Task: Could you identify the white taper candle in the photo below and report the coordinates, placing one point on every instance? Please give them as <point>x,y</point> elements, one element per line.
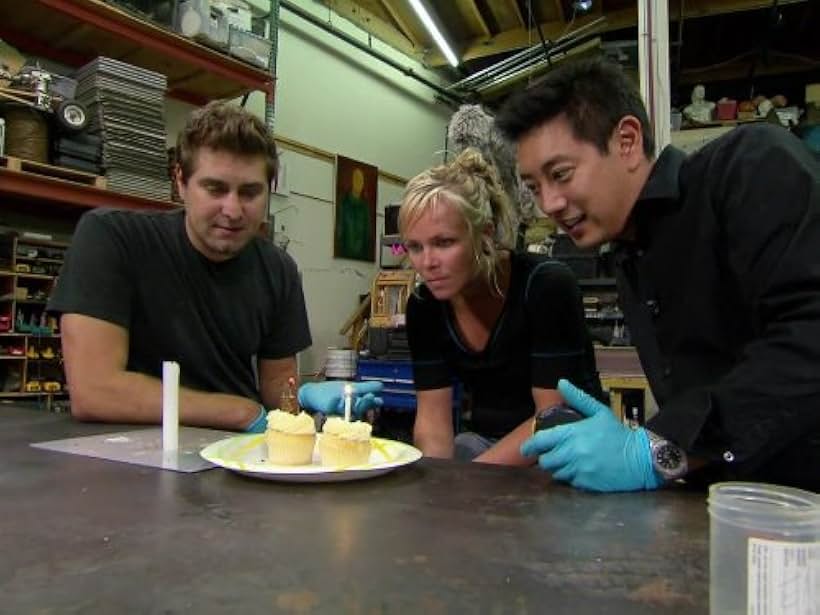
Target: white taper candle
<point>170,405</point>
<point>348,400</point>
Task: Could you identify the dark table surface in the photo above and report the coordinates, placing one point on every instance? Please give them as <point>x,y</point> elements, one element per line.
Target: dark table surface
<point>83,535</point>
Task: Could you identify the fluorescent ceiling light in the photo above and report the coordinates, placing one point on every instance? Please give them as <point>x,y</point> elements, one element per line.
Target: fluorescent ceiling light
<point>434,31</point>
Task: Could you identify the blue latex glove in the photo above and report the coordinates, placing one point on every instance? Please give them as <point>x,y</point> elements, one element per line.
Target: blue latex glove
<point>328,397</point>
<point>597,453</point>
<point>260,423</point>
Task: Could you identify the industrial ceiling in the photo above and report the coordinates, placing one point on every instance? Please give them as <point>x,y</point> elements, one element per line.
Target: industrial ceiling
<point>710,40</point>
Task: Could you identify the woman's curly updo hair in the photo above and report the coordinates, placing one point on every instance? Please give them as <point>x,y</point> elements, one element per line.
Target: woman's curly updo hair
<point>471,185</point>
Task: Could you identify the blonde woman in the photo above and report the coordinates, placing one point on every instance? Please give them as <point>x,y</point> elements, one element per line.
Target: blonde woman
<point>507,325</point>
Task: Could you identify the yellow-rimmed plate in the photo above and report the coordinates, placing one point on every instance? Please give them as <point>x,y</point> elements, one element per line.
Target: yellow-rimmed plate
<point>247,454</point>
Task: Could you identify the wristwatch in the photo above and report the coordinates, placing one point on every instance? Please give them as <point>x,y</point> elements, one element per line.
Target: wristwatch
<point>668,459</point>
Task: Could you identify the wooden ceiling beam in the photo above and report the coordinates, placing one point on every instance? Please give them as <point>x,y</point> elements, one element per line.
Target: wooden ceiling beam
<point>399,19</point>
<point>521,37</point>
<point>708,8</point>
<point>375,25</point>
<point>505,14</point>
<point>780,64</point>
<point>517,12</point>
<point>473,16</point>
<point>559,7</point>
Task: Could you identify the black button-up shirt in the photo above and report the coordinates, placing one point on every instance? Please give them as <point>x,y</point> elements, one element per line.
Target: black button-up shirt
<point>721,290</point>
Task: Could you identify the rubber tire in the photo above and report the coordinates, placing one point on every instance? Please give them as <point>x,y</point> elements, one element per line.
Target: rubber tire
<point>72,116</point>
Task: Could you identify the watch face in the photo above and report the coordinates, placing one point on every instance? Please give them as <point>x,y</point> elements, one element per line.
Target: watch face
<point>668,457</point>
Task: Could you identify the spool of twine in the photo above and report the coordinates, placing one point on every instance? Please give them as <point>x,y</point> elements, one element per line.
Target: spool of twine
<point>26,134</point>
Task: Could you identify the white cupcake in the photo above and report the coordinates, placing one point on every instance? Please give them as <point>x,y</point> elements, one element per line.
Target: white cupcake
<point>344,443</point>
<point>290,438</point>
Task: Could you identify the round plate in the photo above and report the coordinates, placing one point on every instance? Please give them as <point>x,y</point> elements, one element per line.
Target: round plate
<point>247,454</point>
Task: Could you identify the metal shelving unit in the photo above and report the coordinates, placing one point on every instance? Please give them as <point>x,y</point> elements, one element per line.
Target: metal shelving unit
<point>74,32</point>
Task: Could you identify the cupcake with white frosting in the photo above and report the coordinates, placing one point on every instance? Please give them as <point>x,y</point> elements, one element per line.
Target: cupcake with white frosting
<point>290,438</point>
<point>344,443</point>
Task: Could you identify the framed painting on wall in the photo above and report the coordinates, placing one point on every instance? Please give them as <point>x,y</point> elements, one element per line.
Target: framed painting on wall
<point>354,234</point>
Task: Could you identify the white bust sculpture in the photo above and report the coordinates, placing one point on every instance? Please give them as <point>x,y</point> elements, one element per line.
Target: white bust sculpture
<point>701,109</point>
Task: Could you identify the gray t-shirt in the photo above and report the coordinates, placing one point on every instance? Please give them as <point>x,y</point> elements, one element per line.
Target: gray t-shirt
<point>140,271</point>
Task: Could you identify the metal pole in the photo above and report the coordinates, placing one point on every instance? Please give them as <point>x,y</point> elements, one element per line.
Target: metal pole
<point>653,56</point>
<point>491,71</point>
<point>528,66</point>
<point>273,36</point>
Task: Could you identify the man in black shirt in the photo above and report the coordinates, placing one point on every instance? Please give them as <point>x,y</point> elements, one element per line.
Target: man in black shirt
<point>197,285</point>
<point>718,269</point>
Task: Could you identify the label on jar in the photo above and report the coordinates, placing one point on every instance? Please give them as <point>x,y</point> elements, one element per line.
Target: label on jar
<point>783,577</point>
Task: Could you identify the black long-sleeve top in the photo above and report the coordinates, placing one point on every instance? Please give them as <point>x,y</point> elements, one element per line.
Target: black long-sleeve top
<point>721,291</point>
<point>539,338</point>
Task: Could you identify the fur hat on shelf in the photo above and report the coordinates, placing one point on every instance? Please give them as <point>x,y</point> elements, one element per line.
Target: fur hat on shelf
<point>472,126</point>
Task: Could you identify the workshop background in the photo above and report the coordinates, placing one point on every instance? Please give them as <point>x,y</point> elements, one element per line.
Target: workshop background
<point>361,79</point>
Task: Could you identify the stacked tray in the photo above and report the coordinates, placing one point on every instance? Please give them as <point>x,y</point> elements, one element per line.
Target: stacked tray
<point>78,151</point>
<point>126,108</point>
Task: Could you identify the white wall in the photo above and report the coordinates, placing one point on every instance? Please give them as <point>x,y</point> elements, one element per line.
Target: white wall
<point>338,99</point>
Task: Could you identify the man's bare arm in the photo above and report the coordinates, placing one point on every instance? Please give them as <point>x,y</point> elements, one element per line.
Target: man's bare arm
<point>101,389</point>
<point>273,379</point>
